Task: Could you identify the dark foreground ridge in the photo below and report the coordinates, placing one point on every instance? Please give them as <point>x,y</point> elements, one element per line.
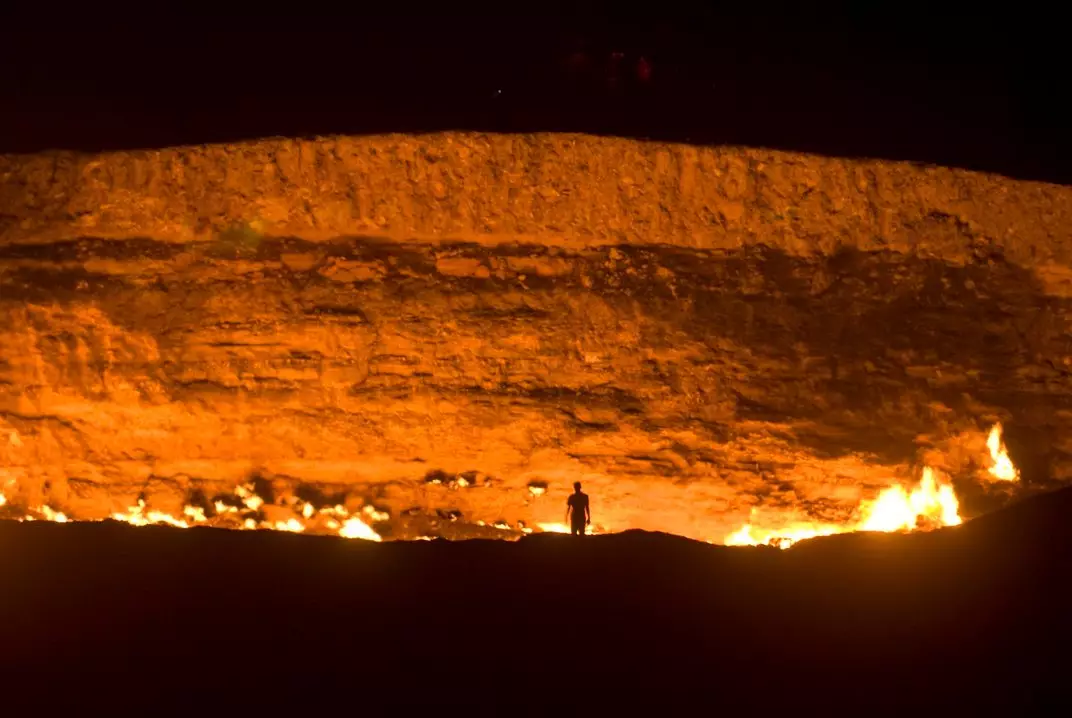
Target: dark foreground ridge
<point>971,617</point>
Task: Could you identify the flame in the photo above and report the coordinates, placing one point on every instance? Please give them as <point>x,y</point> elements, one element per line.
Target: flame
<point>356,528</point>
<point>559,528</point>
<point>249,499</point>
<point>1001,467</point>
<point>196,514</point>
<point>338,519</point>
<point>137,516</point>
<point>373,514</point>
<point>553,528</point>
<point>781,538</point>
<point>742,537</point>
<point>51,514</point>
<point>931,504</point>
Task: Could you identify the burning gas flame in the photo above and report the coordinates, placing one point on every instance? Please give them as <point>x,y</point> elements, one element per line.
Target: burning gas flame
<point>137,516</point>
<point>930,504</point>
<point>356,528</point>
<point>553,528</point>
<point>1001,467</point>
<point>196,514</point>
<point>246,517</point>
<point>51,514</point>
<point>747,535</point>
<point>292,525</point>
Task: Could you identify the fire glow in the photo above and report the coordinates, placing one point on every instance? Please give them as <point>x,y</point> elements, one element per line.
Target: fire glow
<point>1001,468</point>
<point>930,504</point>
<point>246,516</point>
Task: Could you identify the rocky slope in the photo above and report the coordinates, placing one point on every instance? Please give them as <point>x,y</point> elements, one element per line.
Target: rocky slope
<point>455,327</point>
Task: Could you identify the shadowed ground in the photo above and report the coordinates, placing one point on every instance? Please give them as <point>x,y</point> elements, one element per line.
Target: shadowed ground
<point>970,617</point>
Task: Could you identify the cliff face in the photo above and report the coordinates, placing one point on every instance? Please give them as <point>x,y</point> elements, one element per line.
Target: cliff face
<point>453,328</point>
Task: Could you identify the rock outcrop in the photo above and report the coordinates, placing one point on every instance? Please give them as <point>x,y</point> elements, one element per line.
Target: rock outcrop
<point>455,327</point>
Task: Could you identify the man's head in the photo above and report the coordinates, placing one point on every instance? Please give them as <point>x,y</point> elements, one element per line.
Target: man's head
<point>577,486</point>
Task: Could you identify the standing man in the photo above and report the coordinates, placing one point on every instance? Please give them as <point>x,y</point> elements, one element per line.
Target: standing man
<point>578,515</point>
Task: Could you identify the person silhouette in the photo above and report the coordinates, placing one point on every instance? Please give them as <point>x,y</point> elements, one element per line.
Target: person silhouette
<point>578,515</point>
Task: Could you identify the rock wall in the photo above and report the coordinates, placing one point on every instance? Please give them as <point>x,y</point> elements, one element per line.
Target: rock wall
<point>455,327</point>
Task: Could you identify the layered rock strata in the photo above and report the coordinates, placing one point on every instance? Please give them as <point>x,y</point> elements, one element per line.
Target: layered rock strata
<point>455,327</point>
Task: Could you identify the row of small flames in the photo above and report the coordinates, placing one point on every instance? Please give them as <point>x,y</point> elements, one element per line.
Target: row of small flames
<point>932,503</point>
<point>242,512</point>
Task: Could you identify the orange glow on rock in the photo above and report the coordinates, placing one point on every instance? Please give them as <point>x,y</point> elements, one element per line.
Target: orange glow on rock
<point>930,503</point>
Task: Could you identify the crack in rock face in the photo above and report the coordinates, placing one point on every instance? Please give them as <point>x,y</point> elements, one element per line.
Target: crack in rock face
<point>439,335</point>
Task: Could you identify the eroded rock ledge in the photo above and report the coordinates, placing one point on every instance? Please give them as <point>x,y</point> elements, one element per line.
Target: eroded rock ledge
<point>435,323</point>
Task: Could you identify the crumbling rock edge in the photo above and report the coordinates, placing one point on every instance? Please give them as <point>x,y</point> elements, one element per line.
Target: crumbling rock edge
<point>556,189</point>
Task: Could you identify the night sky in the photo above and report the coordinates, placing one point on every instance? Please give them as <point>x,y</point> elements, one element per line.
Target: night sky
<point>973,90</point>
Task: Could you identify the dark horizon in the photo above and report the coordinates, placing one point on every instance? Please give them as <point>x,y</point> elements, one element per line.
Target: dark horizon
<point>864,83</point>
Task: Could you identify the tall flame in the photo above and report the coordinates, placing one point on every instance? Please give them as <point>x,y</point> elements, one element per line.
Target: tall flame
<point>1001,467</point>
<point>929,504</point>
<point>932,503</point>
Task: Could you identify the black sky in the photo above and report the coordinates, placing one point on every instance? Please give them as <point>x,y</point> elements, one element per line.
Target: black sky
<point>968,89</point>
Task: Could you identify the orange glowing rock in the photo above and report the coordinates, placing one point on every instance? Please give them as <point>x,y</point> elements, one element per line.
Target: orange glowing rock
<point>471,351</point>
